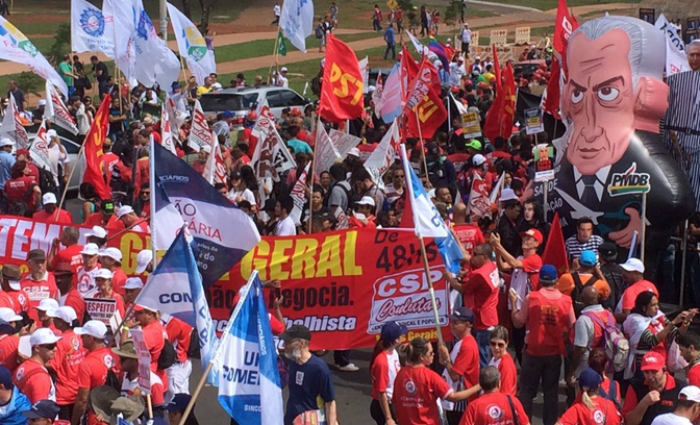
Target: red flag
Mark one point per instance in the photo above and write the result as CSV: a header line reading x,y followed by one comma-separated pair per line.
x,y
550,102
408,69
499,118
565,25
93,150
555,249
423,104
342,91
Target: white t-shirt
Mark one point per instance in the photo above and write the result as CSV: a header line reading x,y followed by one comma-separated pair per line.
x,y
466,36
670,419
286,227
278,10
282,81
56,157
238,195
86,282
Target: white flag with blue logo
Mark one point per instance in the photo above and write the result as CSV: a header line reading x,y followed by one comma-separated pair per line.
x,y
91,30
175,289
246,361
426,219
124,35
297,21
200,60
155,62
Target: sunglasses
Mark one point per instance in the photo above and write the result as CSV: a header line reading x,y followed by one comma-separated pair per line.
x,y
49,347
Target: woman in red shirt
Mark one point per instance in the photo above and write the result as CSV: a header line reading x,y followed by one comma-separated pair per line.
x,y
503,361
609,388
417,388
592,409
22,188
384,367
103,279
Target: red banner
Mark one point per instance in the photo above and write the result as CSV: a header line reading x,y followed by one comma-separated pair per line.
x,y
343,285
424,107
93,150
342,94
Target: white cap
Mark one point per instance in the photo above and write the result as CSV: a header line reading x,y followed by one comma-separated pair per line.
x,y
633,265
507,195
90,249
478,159
284,69
366,200
142,260
126,209
6,142
65,313
8,315
93,328
354,152
690,393
437,64
49,198
47,304
97,232
111,252
42,102
133,283
217,86
104,274
43,336
51,133
371,88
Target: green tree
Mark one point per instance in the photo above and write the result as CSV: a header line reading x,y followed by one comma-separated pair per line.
x,y
61,45
452,12
31,83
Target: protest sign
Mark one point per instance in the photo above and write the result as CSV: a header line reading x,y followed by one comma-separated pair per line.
x,y
470,125
144,361
533,121
100,309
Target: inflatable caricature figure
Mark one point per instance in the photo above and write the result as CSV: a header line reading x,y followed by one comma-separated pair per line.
x,y
612,151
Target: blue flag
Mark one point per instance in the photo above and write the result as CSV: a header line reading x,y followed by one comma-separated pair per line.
x,y
223,232
175,289
247,362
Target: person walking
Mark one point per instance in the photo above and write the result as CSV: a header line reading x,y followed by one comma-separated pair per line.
x,y
591,409
377,18
390,39
384,367
494,406
277,10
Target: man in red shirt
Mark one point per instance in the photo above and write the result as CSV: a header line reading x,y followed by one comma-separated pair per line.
x,y
462,365
111,259
468,235
494,407
180,333
69,354
70,297
548,317
92,372
12,294
634,274
105,218
9,338
50,213
39,283
480,289
689,347
70,255
131,220
85,278
154,334
31,378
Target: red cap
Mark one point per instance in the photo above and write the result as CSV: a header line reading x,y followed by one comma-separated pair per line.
x,y
246,134
652,361
295,112
23,152
533,233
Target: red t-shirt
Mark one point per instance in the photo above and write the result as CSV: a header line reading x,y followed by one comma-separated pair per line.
x,y
69,256
631,293
509,374
154,334
8,301
21,301
33,380
416,391
38,290
8,351
385,368
604,412
180,334
92,372
75,300
466,363
693,375
494,409
469,236
532,265
95,219
64,217
481,295
66,361
18,189
118,281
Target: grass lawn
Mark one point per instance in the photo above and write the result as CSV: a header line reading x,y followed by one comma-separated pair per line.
x,y
552,4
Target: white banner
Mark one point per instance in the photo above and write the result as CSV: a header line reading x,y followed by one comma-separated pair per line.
x,y
676,60
124,43
299,195
364,70
12,125
144,356
215,170
670,31
200,133
297,21
420,48
155,62
271,156
200,60
166,135
39,151
56,110
385,153
91,31
15,47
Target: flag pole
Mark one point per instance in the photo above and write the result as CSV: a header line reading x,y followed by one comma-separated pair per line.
x,y
277,39
313,175
422,151
150,406
70,177
644,227
153,186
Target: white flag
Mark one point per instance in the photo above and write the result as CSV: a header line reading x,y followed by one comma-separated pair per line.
x,y
215,169
676,60
385,153
670,30
91,30
166,135
124,34
200,60
297,21
299,195
15,47
271,156
377,96
155,62
12,125
364,71
56,110
39,150
420,48
200,133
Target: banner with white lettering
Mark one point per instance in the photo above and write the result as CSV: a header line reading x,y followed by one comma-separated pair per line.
x,y
200,133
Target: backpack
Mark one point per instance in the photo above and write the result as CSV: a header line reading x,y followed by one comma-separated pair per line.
x,y
193,349
617,347
168,356
613,394
319,31
578,289
47,183
19,207
349,194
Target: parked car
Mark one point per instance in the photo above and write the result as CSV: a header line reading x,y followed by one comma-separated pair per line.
x,y
241,101
73,149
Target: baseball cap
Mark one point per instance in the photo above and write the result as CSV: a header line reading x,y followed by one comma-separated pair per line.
x,y
36,255
48,198
43,336
633,265
652,361
392,330
42,102
296,332
90,249
284,69
6,142
93,328
141,307
127,350
366,200
111,252
13,274
104,273
478,159
133,283
548,273
42,409
65,313
474,144
589,378
533,233
6,378
690,393
588,258
227,114
108,207
354,152
179,402
126,209
8,315
143,259
51,133
463,314
508,195
47,304
608,251
97,232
